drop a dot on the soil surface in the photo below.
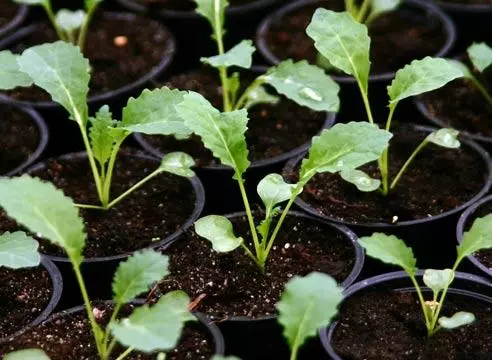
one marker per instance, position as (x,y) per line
(397,38)
(460,105)
(438,180)
(112,66)
(151,213)
(185,5)
(484,256)
(272,129)
(24,294)
(231,284)
(8,10)
(20,138)
(387,325)
(70,338)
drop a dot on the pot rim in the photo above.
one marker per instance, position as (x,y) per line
(348,233)
(460,228)
(16,21)
(378,225)
(431,8)
(465,8)
(197,210)
(167,58)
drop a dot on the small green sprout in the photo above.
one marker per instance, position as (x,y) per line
(391,250)
(366,11)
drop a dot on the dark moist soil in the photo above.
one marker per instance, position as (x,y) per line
(438,180)
(387,325)
(397,38)
(230,284)
(185,5)
(151,213)
(112,66)
(20,138)
(8,10)
(484,256)
(70,338)
(460,105)
(272,129)
(24,294)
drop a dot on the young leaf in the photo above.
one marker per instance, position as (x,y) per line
(222,133)
(178,163)
(273,190)
(379,7)
(32,2)
(421,76)
(69,20)
(438,280)
(17,250)
(240,55)
(360,179)
(260,96)
(447,138)
(44,210)
(101,134)
(154,328)
(218,230)
(391,250)
(306,84)
(307,304)
(28,354)
(461,318)
(61,70)
(343,42)
(344,146)
(135,275)
(462,67)
(480,55)
(11,75)
(154,113)
(479,237)
(213,11)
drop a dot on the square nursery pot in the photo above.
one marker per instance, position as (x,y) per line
(118,72)
(380,319)
(230,289)
(424,207)
(11,17)
(275,134)
(416,29)
(152,216)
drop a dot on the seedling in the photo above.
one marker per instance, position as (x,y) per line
(70,26)
(301,82)
(345,44)
(391,250)
(367,11)
(60,69)
(46,211)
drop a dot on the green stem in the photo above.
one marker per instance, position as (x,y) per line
(220,46)
(85,27)
(365,99)
(106,191)
(110,348)
(52,18)
(363,11)
(383,162)
(92,161)
(250,254)
(421,299)
(482,90)
(294,351)
(249,214)
(125,353)
(107,332)
(95,207)
(408,162)
(244,97)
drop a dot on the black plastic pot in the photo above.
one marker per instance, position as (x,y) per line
(263,334)
(18,19)
(352,107)
(43,140)
(429,236)
(474,287)
(466,220)
(193,32)
(98,272)
(57,287)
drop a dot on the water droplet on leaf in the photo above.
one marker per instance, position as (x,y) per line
(311,94)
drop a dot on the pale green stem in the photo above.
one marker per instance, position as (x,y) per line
(95,207)
(110,348)
(421,299)
(92,161)
(222,70)
(365,99)
(363,11)
(390,116)
(293,353)
(407,163)
(349,6)
(482,90)
(85,27)
(107,332)
(106,191)
(383,161)
(250,254)
(125,353)
(244,97)
(249,214)
(52,18)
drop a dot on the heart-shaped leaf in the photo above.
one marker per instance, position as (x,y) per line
(459,319)
(447,138)
(360,179)
(17,250)
(28,354)
(479,237)
(480,55)
(438,280)
(219,231)
(240,55)
(178,163)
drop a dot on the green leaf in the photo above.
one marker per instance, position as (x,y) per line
(178,163)
(11,75)
(32,2)
(69,20)
(259,95)
(479,237)
(234,85)
(344,146)
(379,7)
(44,210)
(154,113)
(221,133)
(240,55)
(462,67)
(17,250)
(360,179)
(28,354)
(343,42)
(307,304)
(218,230)
(461,318)
(306,84)
(61,70)
(421,76)
(135,275)
(438,280)
(213,11)
(273,190)
(156,328)
(90,3)
(447,138)
(391,250)
(480,55)
(101,134)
